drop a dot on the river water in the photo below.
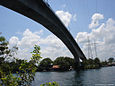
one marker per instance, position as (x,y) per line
(93,77)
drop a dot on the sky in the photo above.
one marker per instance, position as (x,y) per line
(85,19)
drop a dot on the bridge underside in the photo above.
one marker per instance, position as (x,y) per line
(40,12)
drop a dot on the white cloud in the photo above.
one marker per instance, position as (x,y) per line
(13,41)
(51,46)
(26,43)
(95,20)
(81,37)
(104,36)
(65,17)
(29,39)
(39,32)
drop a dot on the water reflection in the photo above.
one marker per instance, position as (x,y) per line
(92,77)
(78,80)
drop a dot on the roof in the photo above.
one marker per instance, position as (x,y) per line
(55,66)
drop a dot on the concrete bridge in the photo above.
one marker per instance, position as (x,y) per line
(40,11)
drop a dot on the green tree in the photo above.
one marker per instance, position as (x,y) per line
(25,74)
(110,60)
(36,55)
(64,62)
(45,64)
(1,60)
(25,71)
(97,61)
(28,69)
(91,63)
(50,84)
(3,47)
(70,61)
(4,52)
(104,63)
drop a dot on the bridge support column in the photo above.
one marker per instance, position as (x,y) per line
(77,64)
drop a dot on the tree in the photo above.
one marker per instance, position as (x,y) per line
(26,70)
(111,60)
(91,63)
(104,63)
(3,47)
(45,64)
(50,84)
(25,73)
(70,61)
(1,60)
(64,62)
(36,55)
(97,61)
(4,52)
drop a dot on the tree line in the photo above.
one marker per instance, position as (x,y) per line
(67,63)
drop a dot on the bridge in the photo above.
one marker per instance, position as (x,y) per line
(40,11)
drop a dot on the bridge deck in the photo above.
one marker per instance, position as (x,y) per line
(40,12)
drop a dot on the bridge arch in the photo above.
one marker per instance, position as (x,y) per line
(40,12)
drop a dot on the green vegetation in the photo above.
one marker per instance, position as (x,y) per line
(96,63)
(110,60)
(45,64)
(64,63)
(67,63)
(24,71)
(104,63)
(91,63)
(50,84)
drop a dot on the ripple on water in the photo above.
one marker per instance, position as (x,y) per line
(94,77)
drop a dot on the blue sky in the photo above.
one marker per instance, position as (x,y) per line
(15,25)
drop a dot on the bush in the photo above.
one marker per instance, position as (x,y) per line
(50,84)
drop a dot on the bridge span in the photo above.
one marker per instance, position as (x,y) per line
(40,11)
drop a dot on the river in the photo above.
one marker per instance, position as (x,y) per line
(94,77)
